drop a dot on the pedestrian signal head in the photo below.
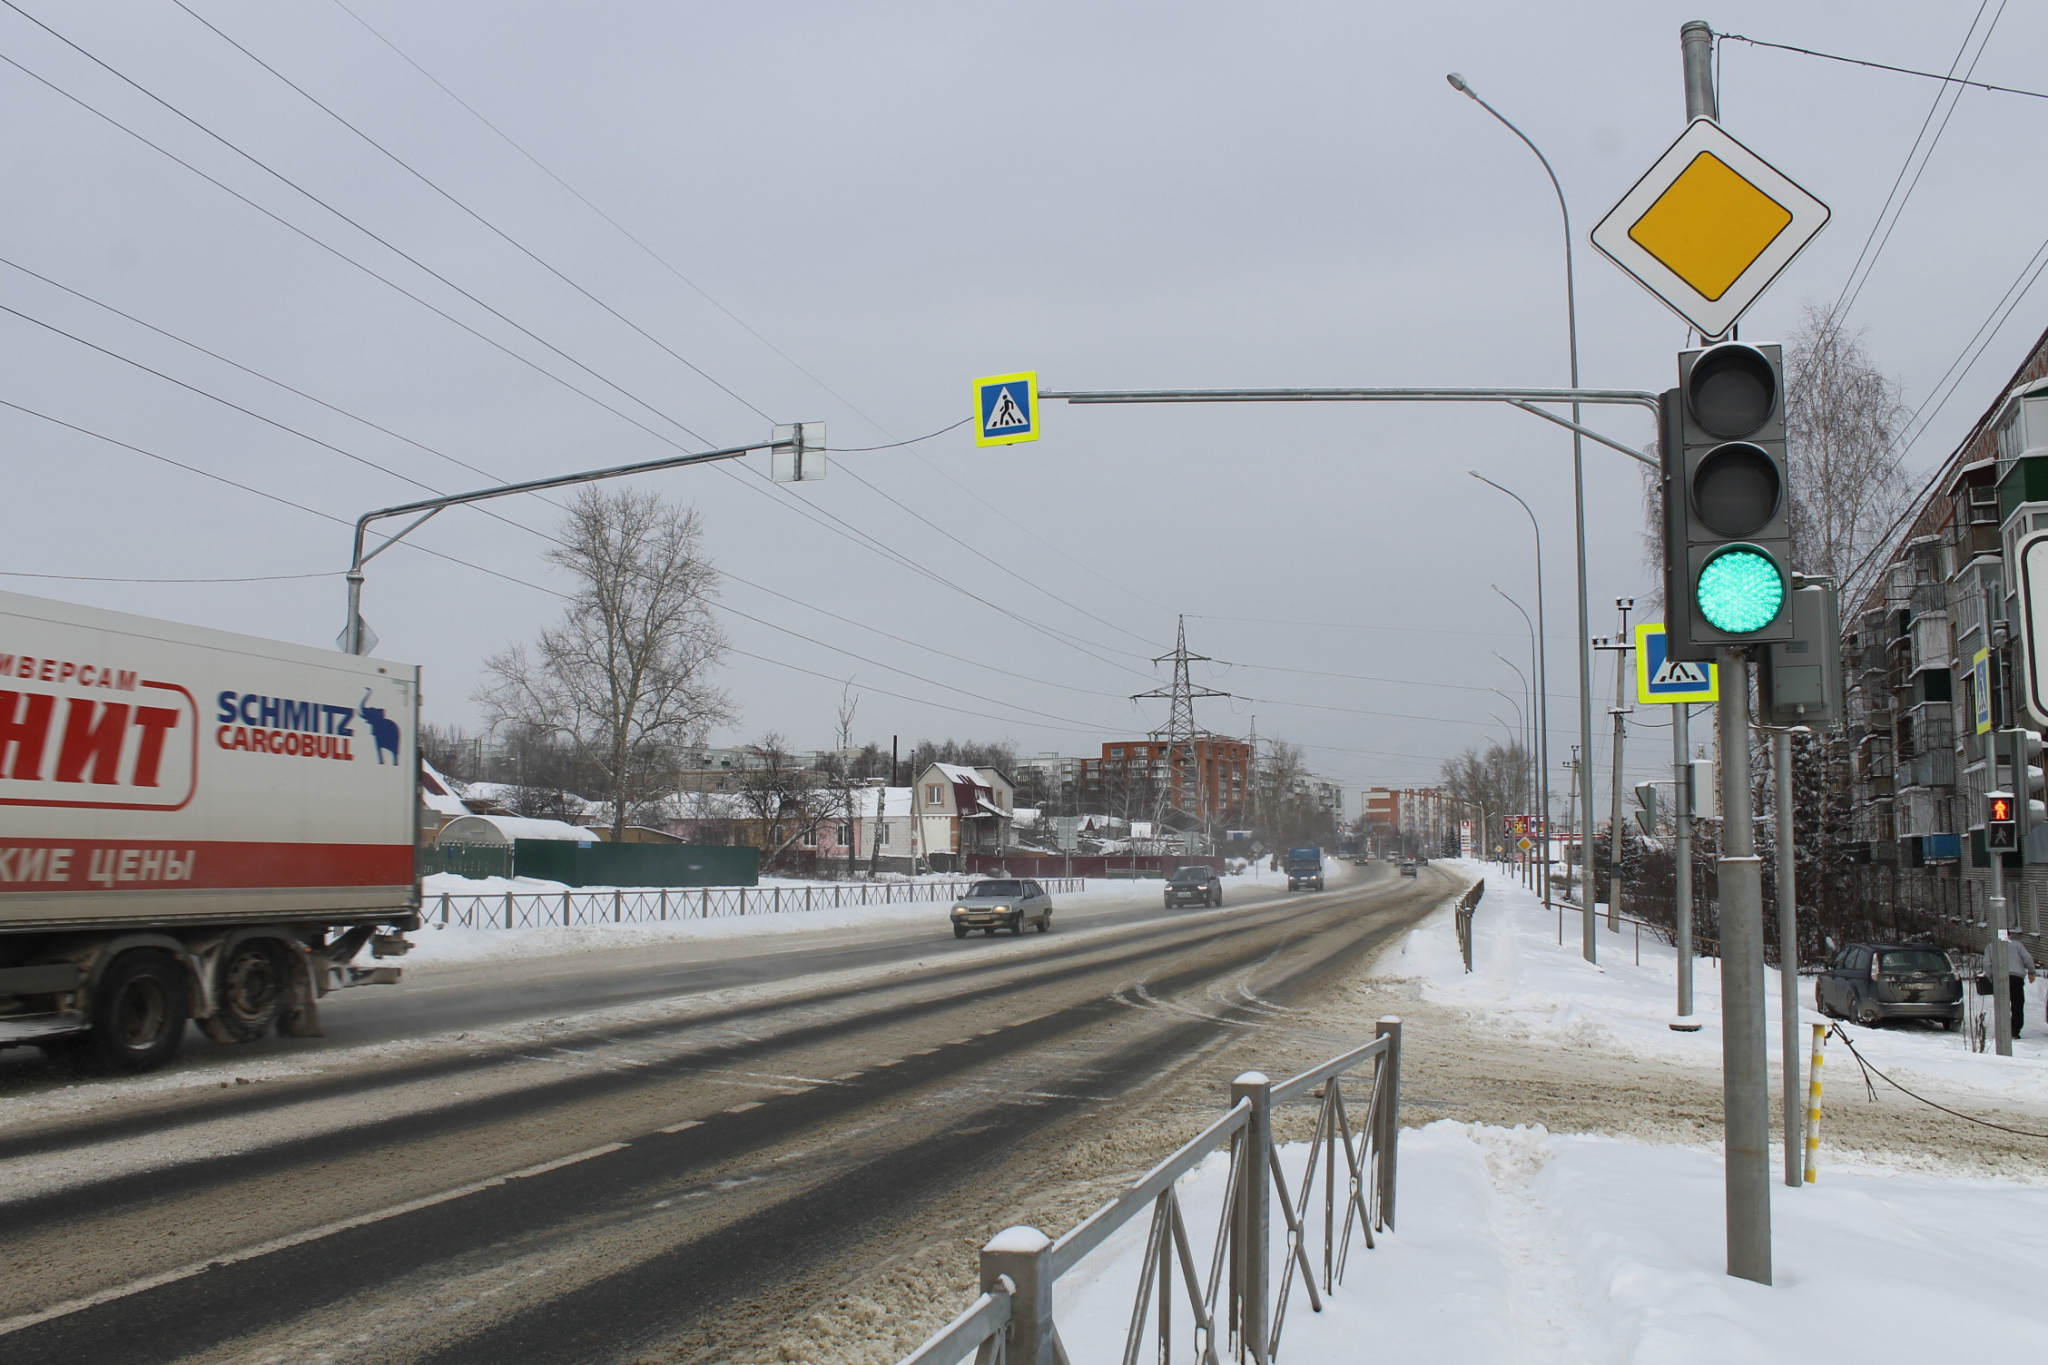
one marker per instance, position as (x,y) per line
(2001,808)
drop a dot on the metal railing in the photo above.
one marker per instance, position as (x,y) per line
(1467,903)
(1012,1321)
(649,905)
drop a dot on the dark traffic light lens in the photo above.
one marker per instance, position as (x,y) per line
(1735,490)
(1731,390)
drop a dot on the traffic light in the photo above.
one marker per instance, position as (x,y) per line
(1727,503)
(1646,797)
(2030,792)
(2001,830)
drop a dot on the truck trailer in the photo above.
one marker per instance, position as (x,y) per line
(194,826)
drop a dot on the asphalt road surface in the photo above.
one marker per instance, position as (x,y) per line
(679,1176)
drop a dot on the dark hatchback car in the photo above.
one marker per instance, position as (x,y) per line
(1875,982)
(1193,886)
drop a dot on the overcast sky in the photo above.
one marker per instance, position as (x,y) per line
(857,208)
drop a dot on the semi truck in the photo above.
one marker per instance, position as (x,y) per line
(1305,868)
(195,826)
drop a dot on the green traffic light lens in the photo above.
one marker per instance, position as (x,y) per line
(1740,590)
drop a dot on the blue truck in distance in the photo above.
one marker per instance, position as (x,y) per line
(1305,868)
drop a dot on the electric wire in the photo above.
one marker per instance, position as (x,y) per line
(261,493)
(841,528)
(504,236)
(382,241)
(495,312)
(619,227)
(102,578)
(1950,79)
(559,274)
(1926,157)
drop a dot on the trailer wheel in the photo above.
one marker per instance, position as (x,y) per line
(139,1012)
(251,992)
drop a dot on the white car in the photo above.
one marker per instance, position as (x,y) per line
(1002,903)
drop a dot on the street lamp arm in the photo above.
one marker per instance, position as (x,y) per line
(352,632)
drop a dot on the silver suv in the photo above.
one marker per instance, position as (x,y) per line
(1004,903)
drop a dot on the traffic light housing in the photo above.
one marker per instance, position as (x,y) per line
(2001,829)
(1727,501)
(2030,791)
(1800,679)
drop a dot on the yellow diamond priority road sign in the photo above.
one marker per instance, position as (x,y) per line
(1709,227)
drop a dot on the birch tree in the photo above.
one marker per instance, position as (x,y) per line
(624,677)
(1843,419)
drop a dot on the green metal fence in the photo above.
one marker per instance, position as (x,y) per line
(600,864)
(466,860)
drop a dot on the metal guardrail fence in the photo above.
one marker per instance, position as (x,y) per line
(1012,1322)
(647,905)
(1467,903)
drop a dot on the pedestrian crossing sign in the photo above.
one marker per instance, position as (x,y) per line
(1663,680)
(1006,408)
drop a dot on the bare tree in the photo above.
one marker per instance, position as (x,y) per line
(1490,785)
(1843,419)
(623,677)
(778,794)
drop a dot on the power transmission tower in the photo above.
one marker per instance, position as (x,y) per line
(1180,731)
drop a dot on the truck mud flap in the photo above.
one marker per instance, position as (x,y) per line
(301,1016)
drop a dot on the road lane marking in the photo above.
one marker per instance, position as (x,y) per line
(285,1243)
(744,1107)
(679,1127)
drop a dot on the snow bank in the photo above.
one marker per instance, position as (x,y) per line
(1519,1245)
(1527,985)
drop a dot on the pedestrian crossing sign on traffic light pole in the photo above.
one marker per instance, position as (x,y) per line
(1006,409)
(1662,679)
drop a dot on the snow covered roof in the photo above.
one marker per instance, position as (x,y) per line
(709,806)
(436,795)
(503,829)
(954,772)
(507,792)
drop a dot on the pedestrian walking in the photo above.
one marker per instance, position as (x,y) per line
(2019,965)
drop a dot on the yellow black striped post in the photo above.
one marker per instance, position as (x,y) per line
(1820,1036)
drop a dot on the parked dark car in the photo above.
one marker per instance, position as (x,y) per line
(1193,886)
(1875,982)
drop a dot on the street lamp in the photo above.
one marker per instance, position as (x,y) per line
(1588,944)
(1527,794)
(1539,655)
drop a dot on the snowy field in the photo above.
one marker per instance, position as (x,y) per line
(436,944)
(1526,985)
(1521,1245)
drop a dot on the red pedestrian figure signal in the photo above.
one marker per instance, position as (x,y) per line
(2001,829)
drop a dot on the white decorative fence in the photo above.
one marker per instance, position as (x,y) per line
(647,905)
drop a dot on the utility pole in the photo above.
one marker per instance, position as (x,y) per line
(1788,961)
(1619,645)
(1571,823)
(1996,960)
(1681,843)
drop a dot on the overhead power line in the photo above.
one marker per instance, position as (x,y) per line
(1950,79)
(499,232)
